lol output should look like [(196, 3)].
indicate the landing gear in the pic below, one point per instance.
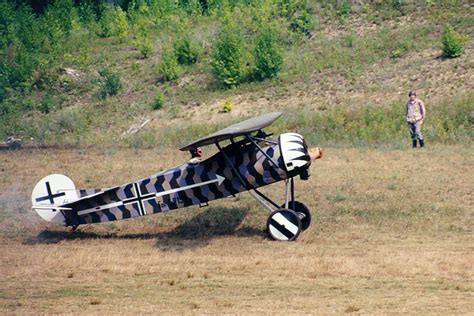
[(284, 224), (73, 230), (303, 212), (289, 219)]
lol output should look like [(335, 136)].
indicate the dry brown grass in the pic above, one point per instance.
[(392, 233)]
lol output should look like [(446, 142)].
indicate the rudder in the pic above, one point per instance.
[(49, 194)]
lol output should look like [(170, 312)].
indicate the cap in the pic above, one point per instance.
[(412, 92)]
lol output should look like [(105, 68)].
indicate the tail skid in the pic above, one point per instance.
[(49, 194)]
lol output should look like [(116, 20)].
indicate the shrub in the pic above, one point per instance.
[(227, 57), (142, 36), (185, 51), (121, 24), (68, 121), (453, 42), (227, 105), (110, 82), (344, 10), (267, 55), (302, 23), (158, 101), (169, 68), (106, 21)]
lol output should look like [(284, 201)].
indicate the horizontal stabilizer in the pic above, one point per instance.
[(51, 207)]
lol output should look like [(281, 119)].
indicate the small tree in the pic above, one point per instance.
[(158, 101), (453, 42), (142, 36), (110, 82), (106, 21), (185, 51), (121, 24), (267, 55), (227, 56), (169, 68), (302, 23)]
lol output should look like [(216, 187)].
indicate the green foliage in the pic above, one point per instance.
[(49, 103), (106, 21), (68, 121), (344, 10), (168, 67), (287, 8), (121, 24), (453, 42), (267, 55), (227, 105), (142, 35), (227, 56), (185, 51), (399, 5), (158, 101), (110, 82), (302, 23)]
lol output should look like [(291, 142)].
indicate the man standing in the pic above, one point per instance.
[(415, 114)]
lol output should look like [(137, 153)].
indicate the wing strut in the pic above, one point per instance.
[(257, 195)]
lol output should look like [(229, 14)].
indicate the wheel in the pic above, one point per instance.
[(284, 224), (303, 212)]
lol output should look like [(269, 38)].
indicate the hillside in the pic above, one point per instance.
[(347, 74)]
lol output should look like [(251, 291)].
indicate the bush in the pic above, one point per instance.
[(344, 10), (185, 51), (142, 36), (453, 42), (169, 68), (227, 105), (302, 23), (227, 57), (267, 55), (106, 21), (110, 82), (121, 24), (158, 101)]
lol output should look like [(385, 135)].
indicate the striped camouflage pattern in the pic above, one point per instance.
[(142, 197)]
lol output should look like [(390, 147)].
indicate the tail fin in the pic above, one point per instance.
[(49, 194)]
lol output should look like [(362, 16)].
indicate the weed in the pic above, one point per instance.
[(344, 10), (227, 105)]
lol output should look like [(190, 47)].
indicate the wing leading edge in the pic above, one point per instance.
[(239, 129)]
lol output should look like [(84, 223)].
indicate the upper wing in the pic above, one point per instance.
[(239, 129)]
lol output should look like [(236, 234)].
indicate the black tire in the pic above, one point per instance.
[(284, 224), (303, 212)]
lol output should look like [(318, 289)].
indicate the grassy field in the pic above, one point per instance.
[(392, 232)]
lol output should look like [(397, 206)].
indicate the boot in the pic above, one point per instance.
[(422, 143), (414, 143)]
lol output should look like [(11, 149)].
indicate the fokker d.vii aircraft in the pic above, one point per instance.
[(250, 160)]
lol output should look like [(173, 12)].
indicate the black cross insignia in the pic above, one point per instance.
[(139, 198), (50, 195)]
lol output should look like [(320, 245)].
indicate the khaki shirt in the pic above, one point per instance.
[(415, 111)]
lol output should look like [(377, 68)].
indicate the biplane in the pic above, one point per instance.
[(250, 159)]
